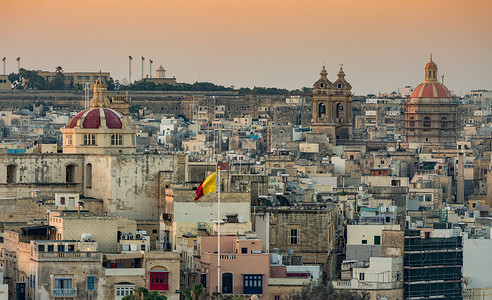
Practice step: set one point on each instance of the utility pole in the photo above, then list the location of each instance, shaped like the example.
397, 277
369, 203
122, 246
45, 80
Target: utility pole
4, 59
18, 63
150, 72
130, 69
143, 59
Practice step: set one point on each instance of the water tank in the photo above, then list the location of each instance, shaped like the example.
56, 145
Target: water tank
290, 252
86, 237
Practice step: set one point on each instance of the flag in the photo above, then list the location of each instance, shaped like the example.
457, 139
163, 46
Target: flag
207, 186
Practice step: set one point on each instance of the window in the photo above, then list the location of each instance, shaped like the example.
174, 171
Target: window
227, 283
253, 284
116, 140
443, 123
321, 110
61, 248
90, 282
89, 139
71, 248
293, 236
121, 291
364, 242
244, 250
159, 281
361, 276
412, 124
51, 248
340, 110
377, 240
70, 173
203, 279
11, 174
68, 140
62, 200
40, 248
427, 124
142, 247
63, 288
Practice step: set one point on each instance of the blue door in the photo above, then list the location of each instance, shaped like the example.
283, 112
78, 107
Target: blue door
227, 283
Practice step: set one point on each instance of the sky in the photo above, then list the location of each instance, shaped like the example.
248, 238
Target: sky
382, 44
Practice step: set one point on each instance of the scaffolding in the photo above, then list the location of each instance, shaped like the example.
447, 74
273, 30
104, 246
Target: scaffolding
432, 267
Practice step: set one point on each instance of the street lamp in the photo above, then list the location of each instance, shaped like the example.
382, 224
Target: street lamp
18, 63
130, 70
150, 72
143, 59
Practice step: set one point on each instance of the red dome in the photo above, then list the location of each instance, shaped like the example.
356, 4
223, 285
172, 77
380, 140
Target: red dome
431, 90
92, 118
431, 65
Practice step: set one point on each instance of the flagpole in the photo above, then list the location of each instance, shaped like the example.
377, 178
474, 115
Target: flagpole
218, 231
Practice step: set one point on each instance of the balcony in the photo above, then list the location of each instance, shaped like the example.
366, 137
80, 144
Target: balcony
69, 292
125, 272
67, 256
366, 285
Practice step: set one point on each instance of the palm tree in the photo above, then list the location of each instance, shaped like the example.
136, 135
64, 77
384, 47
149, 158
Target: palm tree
195, 292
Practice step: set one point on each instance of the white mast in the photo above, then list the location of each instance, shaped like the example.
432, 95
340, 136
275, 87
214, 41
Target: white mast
218, 230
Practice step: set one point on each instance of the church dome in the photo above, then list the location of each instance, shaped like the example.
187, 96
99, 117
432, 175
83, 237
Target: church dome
431, 88
98, 117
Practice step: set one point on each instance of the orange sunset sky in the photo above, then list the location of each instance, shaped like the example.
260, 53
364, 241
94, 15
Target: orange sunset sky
382, 44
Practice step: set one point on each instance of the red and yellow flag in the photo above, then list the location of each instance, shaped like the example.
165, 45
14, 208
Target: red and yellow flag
207, 186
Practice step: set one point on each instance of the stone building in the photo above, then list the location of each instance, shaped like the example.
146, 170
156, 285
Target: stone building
77, 269
431, 112
309, 231
98, 162
161, 77
332, 107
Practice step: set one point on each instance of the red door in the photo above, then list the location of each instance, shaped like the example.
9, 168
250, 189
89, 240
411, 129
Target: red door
159, 281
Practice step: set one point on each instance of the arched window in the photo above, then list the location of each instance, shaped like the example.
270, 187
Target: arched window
444, 123
340, 110
70, 173
321, 110
227, 283
88, 176
412, 124
11, 174
427, 123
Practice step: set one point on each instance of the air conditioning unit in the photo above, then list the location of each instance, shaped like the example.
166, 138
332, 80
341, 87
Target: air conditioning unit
124, 237
130, 236
138, 236
201, 225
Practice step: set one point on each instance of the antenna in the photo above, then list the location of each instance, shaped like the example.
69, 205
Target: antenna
4, 59
442, 79
18, 59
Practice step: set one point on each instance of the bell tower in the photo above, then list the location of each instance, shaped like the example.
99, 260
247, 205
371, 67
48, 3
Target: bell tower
332, 107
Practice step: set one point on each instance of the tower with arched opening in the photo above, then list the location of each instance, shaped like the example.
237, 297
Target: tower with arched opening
332, 107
